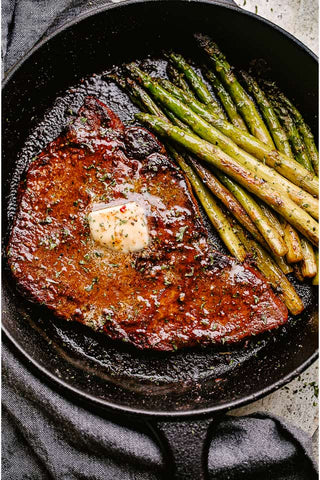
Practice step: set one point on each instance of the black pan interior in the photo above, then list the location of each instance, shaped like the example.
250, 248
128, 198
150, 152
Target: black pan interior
37, 100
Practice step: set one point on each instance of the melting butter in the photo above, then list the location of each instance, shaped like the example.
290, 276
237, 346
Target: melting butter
120, 227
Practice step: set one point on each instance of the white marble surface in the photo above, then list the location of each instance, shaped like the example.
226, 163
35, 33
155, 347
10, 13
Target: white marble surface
297, 402
299, 17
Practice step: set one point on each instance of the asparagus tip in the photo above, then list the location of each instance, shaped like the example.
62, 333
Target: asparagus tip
205, 42
131, 67
201, 38
115, 78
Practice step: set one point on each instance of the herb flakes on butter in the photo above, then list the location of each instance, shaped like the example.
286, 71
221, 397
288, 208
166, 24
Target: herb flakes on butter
120, 227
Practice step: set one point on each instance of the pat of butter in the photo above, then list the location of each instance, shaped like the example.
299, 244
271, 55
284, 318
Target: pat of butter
121, 227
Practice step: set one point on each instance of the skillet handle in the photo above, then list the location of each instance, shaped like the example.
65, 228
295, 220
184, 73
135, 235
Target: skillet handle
186, 446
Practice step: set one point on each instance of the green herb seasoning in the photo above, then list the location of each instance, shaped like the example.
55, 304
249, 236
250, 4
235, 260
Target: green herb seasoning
180, 234
88, 288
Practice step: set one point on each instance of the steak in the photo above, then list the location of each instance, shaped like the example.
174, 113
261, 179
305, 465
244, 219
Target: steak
175, 292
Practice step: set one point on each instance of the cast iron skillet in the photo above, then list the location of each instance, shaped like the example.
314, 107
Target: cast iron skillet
168, 387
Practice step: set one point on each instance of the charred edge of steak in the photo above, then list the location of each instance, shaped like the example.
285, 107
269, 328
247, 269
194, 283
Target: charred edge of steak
140, 144
94, 119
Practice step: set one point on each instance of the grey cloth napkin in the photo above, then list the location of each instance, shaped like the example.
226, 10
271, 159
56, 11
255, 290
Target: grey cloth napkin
46, 436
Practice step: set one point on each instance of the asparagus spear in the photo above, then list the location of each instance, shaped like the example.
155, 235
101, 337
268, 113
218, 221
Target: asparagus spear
315, 280
213, 155
282, 264
178, 79
273, 219
227, 198
176, 121
297, 249
243, 102
287, 167
278, 134
269, 233
303, 128
143, 98
122, 83
309, 263
197, 84
214, 212
226, 100
308, 266
232, 204
137, 94
305, 133
272, 272
298, 146
292, 239
295, 253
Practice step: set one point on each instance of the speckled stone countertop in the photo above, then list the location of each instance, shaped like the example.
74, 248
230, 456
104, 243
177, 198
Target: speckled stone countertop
296, 402
299, 17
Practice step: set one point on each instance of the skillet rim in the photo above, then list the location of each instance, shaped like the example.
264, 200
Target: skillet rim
220, 3
202, 412
104, 404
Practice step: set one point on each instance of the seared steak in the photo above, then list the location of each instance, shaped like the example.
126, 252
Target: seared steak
176, 291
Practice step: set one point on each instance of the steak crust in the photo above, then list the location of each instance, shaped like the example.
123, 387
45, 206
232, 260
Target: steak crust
177, 292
